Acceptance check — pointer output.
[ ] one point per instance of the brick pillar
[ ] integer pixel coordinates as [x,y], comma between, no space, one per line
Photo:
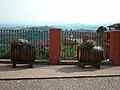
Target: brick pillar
[115,47]
[54,48]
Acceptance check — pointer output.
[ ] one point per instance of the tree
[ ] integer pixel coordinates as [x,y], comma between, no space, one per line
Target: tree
[101,29]
[100,32]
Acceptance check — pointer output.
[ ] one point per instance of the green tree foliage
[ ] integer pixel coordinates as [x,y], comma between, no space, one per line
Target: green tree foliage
[4,53]
[100,32]
[68,51]
[42,53]
[101,29]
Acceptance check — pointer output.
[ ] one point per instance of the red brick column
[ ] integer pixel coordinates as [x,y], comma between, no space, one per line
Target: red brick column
[54,48]
[115,47]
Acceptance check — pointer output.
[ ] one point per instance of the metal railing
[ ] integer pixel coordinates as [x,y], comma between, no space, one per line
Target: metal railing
[71,39]
[39,38]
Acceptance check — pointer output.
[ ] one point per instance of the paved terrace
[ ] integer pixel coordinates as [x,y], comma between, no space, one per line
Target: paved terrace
[55,71]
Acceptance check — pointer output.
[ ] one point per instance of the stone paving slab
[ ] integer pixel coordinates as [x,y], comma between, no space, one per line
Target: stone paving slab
[54,71]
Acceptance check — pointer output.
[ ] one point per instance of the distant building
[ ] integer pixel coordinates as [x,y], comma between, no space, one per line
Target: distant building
[114,26]
[74,39]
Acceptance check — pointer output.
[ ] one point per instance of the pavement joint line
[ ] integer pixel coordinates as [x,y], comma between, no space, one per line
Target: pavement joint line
[60,77]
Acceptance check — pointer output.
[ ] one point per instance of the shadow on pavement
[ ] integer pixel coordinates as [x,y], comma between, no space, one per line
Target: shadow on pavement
[88,68]
[59,68]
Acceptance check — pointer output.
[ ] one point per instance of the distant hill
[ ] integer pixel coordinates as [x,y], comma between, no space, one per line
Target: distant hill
[12,26]
[80,26]
[74,26]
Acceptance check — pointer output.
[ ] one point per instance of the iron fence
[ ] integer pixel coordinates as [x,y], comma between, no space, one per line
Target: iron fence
[71,39]
[38,38]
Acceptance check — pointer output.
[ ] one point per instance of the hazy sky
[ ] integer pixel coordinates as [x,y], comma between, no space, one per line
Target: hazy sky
[60,11]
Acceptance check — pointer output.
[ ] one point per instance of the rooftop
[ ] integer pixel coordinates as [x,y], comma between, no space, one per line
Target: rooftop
[115,25]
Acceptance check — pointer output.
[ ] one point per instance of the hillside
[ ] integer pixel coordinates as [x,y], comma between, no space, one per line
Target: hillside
[74,26]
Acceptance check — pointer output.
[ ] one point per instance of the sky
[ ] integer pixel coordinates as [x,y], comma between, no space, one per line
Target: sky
[59,11]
